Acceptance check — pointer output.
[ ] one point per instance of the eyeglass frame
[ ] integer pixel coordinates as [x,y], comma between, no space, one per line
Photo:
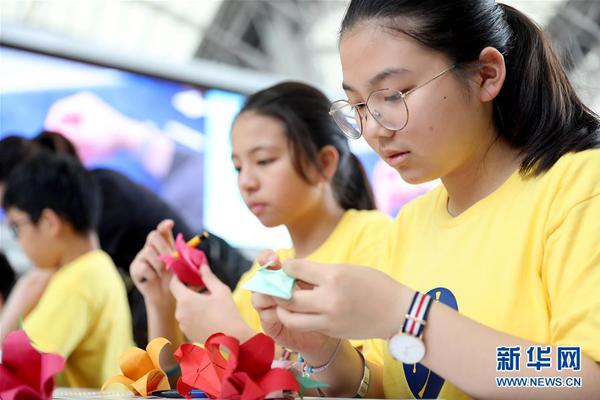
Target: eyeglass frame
[403,95]
[14,226]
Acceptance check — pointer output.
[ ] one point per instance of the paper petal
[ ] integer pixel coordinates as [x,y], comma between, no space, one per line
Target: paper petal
[141,369]
[153,380]
[198,371]
[128,383]
[20,393]
[52,364]
[183,388]
[240,386]
[279,379]
[154,348]
[25,371]
[19,356]
[256,355]
[186,264]
[135,363]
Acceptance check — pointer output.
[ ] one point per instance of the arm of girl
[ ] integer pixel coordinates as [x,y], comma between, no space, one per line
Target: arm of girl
[152,280]
[336,307]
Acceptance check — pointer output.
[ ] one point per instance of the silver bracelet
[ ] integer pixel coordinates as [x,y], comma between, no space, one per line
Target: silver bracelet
[308,370]
[365,381]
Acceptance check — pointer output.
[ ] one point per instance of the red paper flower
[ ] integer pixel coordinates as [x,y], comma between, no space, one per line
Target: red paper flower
[25,373]
[186,263]
[245,375]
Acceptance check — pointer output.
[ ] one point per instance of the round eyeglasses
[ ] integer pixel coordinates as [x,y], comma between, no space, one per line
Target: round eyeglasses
[387,106]
[15,226]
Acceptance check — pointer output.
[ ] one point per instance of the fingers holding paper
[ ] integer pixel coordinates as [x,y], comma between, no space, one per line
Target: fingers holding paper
[345,301]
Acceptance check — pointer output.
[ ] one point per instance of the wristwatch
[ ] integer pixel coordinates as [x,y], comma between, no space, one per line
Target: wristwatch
[407,345]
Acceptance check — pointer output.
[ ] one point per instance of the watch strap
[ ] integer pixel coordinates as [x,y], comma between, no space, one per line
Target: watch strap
[416,318]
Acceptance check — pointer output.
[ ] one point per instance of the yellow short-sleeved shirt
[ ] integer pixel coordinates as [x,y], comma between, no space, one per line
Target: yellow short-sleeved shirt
[525,261]
[84,316]
[359,238]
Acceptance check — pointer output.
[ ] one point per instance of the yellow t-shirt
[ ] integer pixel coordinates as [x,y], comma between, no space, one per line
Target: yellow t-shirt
[525,260]
[84,316]
[359,238]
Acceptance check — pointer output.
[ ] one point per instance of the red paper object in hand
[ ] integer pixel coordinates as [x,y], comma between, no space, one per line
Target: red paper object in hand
[186,263]
[25,373]
[245,375]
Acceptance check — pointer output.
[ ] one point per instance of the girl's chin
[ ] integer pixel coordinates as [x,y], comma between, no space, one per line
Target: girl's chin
[413,177]
[268,222]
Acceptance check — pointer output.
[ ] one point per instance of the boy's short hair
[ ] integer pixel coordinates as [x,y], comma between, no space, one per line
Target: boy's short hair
[7,277]
[57,182]
[13,150]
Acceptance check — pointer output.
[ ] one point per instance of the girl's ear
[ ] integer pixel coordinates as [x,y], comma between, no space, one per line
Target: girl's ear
[492,73]
[329,159]
[51,223]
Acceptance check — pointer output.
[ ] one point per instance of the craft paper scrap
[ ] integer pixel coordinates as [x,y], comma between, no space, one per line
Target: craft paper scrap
[272,282]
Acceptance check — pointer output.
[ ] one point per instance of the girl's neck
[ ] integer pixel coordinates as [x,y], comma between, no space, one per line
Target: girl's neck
[482,176]
[310,231]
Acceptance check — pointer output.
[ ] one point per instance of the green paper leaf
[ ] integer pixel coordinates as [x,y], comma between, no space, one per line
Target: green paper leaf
[271,282]
[307,383]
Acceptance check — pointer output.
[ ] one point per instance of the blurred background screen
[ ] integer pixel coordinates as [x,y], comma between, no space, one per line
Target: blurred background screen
[168,135]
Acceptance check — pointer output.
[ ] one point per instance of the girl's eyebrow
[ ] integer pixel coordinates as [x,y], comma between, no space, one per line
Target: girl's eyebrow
[256,149]
[378,78]
[261,147]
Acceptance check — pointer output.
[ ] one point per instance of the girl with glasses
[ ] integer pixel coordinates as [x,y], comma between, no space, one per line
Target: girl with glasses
[496,273]
[294,169]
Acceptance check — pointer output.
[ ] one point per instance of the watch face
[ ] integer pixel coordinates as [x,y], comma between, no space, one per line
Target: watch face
[407,348]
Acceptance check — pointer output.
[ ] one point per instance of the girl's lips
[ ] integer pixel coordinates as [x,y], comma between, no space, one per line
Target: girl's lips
[397,158]
[257,208]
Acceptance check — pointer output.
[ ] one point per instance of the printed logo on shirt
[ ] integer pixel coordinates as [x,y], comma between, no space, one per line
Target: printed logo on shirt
[424,383]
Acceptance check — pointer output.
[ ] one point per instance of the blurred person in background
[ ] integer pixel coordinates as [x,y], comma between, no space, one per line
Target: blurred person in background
[129,211]
[73,302]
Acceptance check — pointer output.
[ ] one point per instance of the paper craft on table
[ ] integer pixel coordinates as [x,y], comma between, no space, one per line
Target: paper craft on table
[26,373]
[186,262]
[141,369]
[245,375]
[272,282]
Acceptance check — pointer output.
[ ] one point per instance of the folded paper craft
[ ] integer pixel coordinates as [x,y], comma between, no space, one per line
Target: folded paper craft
[25,373]
[273,282]
[246,374]
[141,369]
[186,263]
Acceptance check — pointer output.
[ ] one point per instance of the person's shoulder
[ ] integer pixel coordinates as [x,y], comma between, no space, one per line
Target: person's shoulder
[574,175]
[365,218]
[580,164]
[91,267]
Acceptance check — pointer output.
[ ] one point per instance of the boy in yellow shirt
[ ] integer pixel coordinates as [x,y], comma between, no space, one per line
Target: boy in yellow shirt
[74,302]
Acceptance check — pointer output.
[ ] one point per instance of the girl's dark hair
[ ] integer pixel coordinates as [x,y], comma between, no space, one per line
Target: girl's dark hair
[55,142]
[304,111]
[537,111]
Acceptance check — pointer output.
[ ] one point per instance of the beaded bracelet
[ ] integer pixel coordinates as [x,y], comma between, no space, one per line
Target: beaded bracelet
[286,354]
[365,381]
[308,370]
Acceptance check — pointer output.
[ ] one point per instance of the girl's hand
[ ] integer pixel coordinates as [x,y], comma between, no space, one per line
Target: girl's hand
[202,314]
[299,340]
[148,272]
[344,301]
[266,306]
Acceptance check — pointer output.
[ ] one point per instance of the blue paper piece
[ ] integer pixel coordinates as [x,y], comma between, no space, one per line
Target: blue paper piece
[272,282]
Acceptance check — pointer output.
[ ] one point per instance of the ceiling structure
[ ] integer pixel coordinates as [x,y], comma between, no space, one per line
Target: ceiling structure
[288,38]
